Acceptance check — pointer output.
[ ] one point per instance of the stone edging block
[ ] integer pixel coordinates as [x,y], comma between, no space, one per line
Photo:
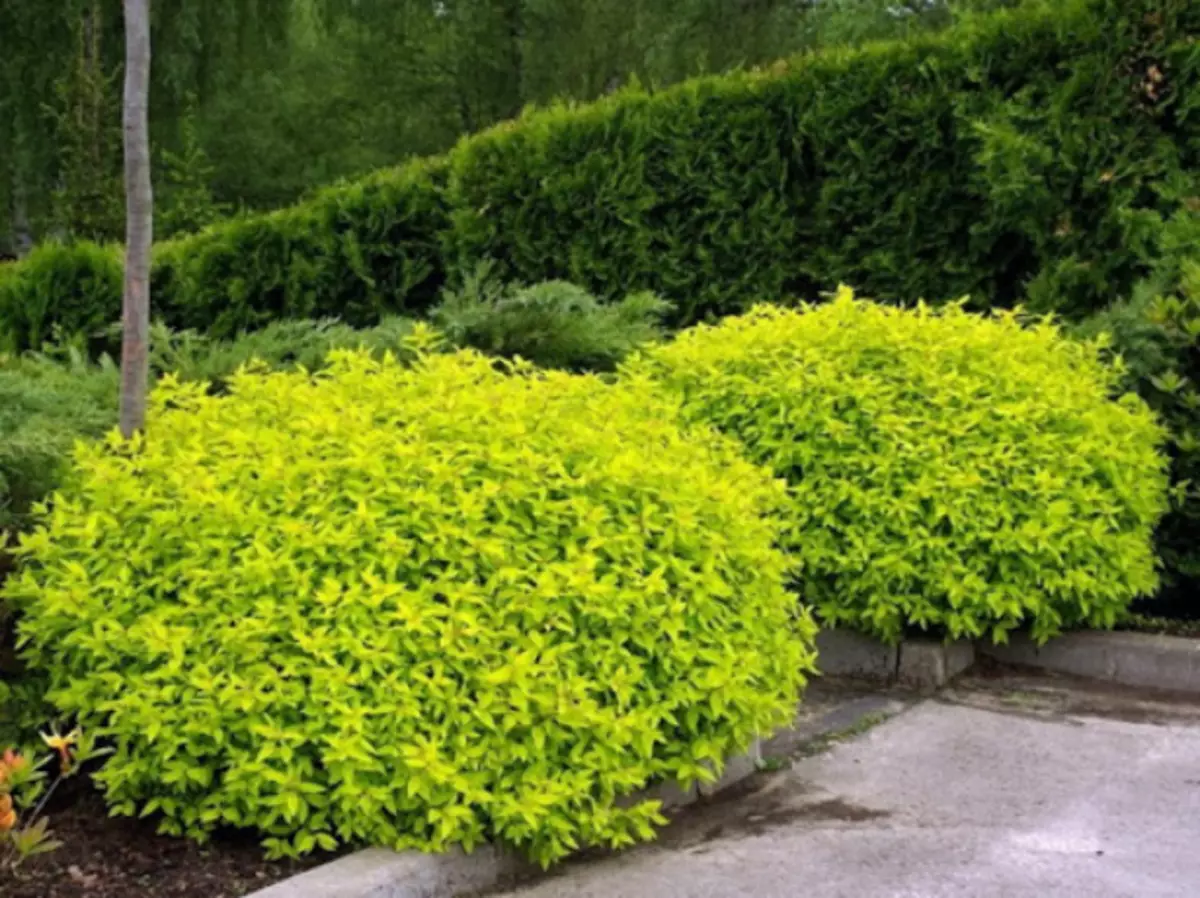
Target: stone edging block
[916,663]
[1170,663]
[379,873]
[845,653]
[925,664]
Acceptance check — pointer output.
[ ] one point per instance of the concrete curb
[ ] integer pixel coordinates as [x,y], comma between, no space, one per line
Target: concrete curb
[1134,659]
[915,663]
[926,664]
[1170,663]
[379,873]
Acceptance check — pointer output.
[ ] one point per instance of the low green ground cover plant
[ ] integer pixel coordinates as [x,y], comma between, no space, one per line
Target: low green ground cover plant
[47,402]
[555,324]
[948,471]
[413,605]
[280,346]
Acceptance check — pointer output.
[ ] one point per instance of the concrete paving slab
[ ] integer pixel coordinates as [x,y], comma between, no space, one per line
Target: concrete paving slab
[943,799]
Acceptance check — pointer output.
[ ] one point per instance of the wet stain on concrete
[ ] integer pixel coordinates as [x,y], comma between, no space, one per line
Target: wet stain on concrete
[757,812]
[1068,700]
[757,823]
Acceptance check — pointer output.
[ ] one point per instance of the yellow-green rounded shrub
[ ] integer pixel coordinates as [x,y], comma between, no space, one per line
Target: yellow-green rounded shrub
[948,471]
[414,606]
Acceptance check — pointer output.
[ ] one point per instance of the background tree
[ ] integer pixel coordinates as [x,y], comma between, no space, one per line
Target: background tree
[85,121]
[186,200]
[271,99]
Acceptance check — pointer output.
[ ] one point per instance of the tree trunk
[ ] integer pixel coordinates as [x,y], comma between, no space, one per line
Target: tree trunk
[139,219]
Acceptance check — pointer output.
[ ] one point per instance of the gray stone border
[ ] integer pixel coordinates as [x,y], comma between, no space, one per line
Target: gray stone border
[1145,660]
[1134,659]
[379,873]
[914,663]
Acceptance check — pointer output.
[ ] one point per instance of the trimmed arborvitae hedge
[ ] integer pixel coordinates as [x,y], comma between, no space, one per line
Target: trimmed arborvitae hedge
[1001,159]
[59,289]
[356,252]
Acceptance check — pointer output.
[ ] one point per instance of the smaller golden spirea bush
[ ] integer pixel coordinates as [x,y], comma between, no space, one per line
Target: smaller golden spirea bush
[951,472]
[414,606]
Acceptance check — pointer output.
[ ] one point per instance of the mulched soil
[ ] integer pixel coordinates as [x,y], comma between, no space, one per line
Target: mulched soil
[105,857]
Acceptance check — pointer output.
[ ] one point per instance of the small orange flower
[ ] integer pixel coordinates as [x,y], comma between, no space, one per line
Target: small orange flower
[10,761]
[8,820]
[6,804]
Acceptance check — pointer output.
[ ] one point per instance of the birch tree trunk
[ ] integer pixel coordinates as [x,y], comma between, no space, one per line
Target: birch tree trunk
[139,219]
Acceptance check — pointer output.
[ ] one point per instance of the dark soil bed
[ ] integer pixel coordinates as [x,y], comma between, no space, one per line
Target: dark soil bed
[105,857]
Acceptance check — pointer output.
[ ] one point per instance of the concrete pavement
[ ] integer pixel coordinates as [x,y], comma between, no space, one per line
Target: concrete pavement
[992,791]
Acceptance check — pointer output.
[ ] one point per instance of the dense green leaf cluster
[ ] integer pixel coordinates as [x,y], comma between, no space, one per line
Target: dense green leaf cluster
[1156,332]
[59,289]
[414,605]
[948,471]
[1001,155]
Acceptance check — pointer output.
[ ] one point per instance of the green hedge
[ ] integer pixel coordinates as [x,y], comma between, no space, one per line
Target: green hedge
[59,288]
[998,158]
[357,252]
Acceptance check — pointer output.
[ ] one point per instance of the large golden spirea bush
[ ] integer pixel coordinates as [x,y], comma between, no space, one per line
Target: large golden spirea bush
[949,471]
[414,606]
